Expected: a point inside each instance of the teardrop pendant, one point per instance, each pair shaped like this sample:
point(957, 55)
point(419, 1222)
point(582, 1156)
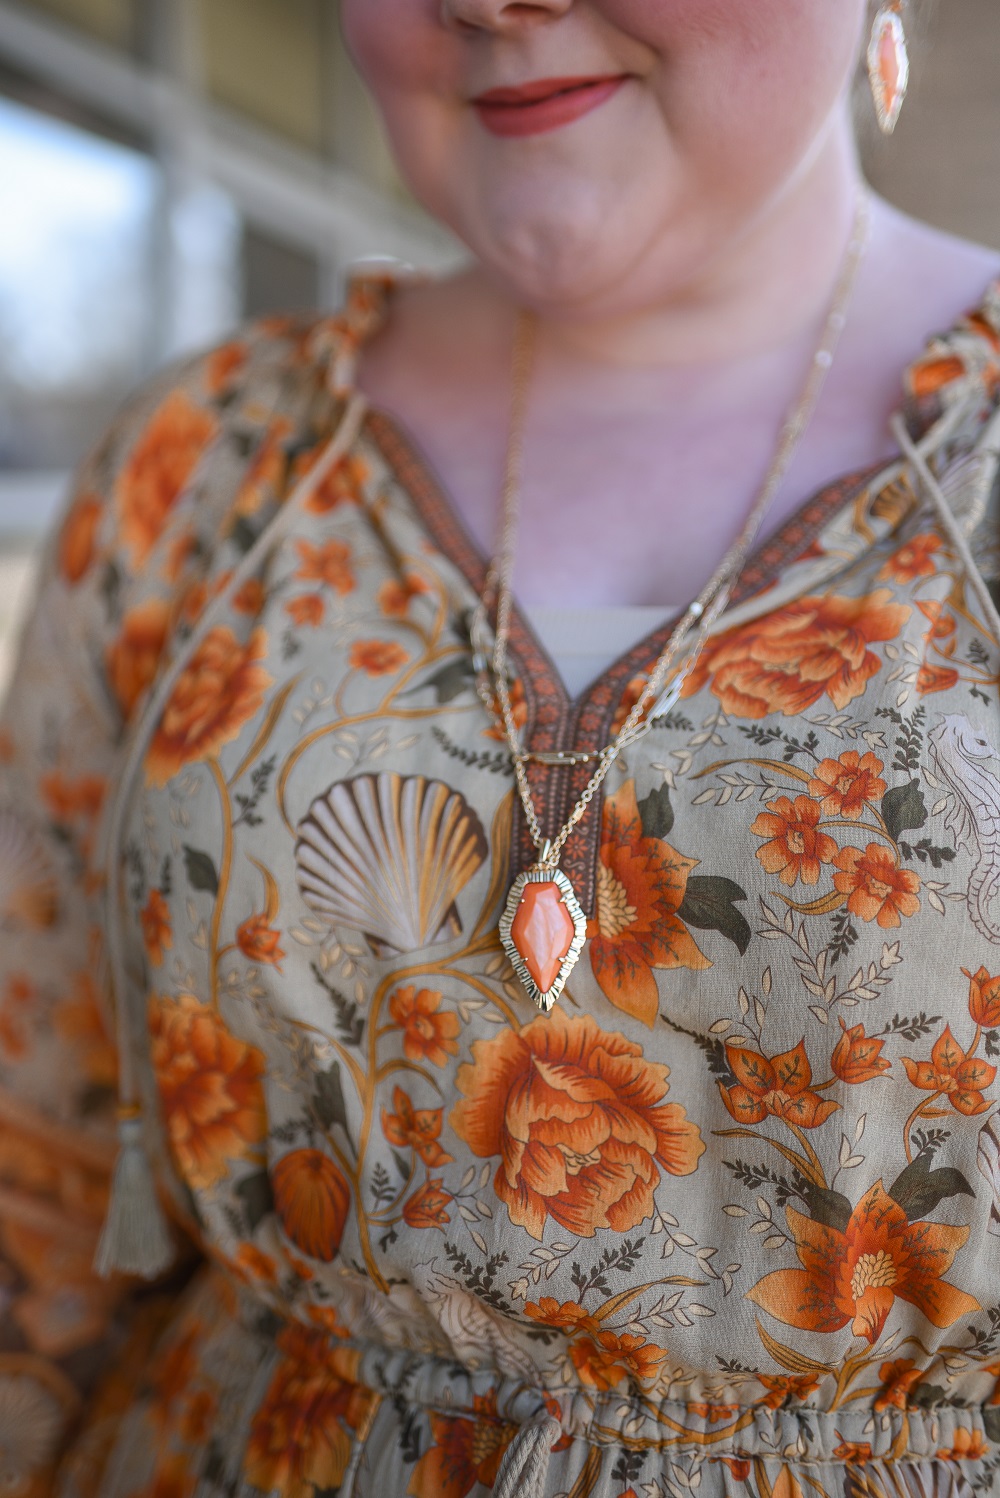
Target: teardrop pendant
point(888, 67)
point(543, 930)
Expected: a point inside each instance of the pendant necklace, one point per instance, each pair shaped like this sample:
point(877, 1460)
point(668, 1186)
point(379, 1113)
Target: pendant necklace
point(543, 928)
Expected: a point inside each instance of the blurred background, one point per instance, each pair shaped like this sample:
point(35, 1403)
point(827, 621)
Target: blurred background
point(169, 168)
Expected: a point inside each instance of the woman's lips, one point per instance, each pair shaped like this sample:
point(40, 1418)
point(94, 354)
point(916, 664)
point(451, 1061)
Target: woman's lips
point(544, 105)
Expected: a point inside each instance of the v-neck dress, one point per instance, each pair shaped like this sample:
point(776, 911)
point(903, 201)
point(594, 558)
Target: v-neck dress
point(725, 1222)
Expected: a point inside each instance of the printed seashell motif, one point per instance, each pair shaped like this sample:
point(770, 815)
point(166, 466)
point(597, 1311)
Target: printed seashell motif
point(28, 890)
point(388, 855)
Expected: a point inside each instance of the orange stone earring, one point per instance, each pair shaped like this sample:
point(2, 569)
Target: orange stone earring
point(888, 65)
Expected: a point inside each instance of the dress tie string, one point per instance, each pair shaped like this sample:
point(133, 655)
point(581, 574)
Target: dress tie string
point(525, 1465)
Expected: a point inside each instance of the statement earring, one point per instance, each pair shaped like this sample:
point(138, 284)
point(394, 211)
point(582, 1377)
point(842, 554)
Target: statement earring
point(888, 65)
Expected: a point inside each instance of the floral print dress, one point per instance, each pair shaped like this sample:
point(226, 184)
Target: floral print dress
point(728, 1219)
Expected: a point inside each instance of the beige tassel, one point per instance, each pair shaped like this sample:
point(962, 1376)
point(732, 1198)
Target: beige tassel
point(136, 1237)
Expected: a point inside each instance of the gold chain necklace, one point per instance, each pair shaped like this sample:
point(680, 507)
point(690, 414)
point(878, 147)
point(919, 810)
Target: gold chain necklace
point(543, 927)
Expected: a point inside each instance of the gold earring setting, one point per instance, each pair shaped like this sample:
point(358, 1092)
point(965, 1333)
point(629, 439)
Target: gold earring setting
point(888, 65)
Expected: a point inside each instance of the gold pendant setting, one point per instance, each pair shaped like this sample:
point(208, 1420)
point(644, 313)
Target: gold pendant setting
point(543, 930)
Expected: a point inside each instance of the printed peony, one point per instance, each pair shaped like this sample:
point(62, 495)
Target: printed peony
point(221, 688)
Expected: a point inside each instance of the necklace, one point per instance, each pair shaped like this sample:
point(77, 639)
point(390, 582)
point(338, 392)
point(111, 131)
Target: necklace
point(543, 928)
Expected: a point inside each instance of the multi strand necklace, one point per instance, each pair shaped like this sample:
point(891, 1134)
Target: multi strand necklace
point(543, 927)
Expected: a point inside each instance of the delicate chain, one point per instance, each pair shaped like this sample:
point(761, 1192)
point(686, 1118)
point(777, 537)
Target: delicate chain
point(700, 615)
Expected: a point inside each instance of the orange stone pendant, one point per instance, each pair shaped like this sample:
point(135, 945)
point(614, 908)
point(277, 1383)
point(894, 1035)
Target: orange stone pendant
point(888, 67)
point(543, 931)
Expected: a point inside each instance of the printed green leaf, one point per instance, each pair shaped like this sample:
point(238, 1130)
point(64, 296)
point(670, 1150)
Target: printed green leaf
point(831, 1208)
point(257, 1198)
point(328, 1100)
point(708, 904)
point(656, 813)
point(201, 871)
point(450, 681)
point(918, 1189)
point(903, 808)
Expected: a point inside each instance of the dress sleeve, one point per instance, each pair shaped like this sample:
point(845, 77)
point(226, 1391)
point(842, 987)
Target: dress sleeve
point(100, 621)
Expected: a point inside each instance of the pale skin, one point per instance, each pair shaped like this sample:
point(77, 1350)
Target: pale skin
point(680, 244)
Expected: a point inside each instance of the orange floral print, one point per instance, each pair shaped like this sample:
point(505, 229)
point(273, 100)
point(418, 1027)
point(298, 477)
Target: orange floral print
point(253, 1264)
point(898, 1379)
point(328, 563)
point(641, 883)
point(307, 611)
point(876, 889)
point(378, 657)
point(576, 1115)
point(428, 1207)
point(134, 657)
point(223, 365)
point(935, 679)
point(984, 998)
point(787, 661)
point(568, 1317)
point(914, 559)
point(942, 624)
point(784, 1390)
point(304, 1428)
point(857, 1057)
point(250, 597)
point(854, 1276)
point(970, 1446)
point(68, 801)
point(779, 1087)
point(794, 848)
point(221, 688)
point(609, 1358)
point(80, 1022)
point(157, 470)
point(518, 709)
point(344, 484)
point(210, 1087)
point(157, 932)
point(259, 941)
point(16, 1004)
point(428, 1034)
point(78, 538)
point(463, 1452)
point(852, 1451)
point(953, 1074)
point(396, 595)
point(844, 786)
point(415, 1128)
point(313, 1201)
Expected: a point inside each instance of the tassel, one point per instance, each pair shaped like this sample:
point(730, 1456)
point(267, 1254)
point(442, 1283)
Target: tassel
point(136, 1238)
point(525, 1463)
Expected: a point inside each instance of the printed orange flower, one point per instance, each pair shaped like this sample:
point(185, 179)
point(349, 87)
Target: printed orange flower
point(304, 1429)
point(259, 941)
point(969, 1446)
point(223, 365)
point(857, 1057)
point(633, 691)
point(787, 661)
point(794, 848)
point(68, 800)
point(942, 624)
point(250, 597)
point(157, 932)
point(428, 1207)
point(641, 883)
point(210, 1087)
point(785, 1389)
point(396, 594)
point(415, 1128)
point(852, 1451)
point(935, 679)
point(428, 1035)
point(344, 484)
point(253, 1264)
point(984, 998)
point(80, 1021)
point(930, 375)
point(78, 537)
point(779, 1087)
point(518, 708)
point(854, 1276)
point(306, 610)
point(313, 1201)
point(264, 477)
point(378, 657)
point(898, 1380)
point(960, 1078)
point(329, 563)
point(844, 786)
point(912, 560)
point(577, 1116)
point(567, 1317)
point(221, 688)
point(157, 469)
point(133, 658)
point(610, 1358)
point(463, 1452)
point(877, 890)
point(15, 1016)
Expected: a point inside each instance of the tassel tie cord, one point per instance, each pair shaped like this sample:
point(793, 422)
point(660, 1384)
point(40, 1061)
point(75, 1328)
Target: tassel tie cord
point(136, 1238)
point(525, 1465)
